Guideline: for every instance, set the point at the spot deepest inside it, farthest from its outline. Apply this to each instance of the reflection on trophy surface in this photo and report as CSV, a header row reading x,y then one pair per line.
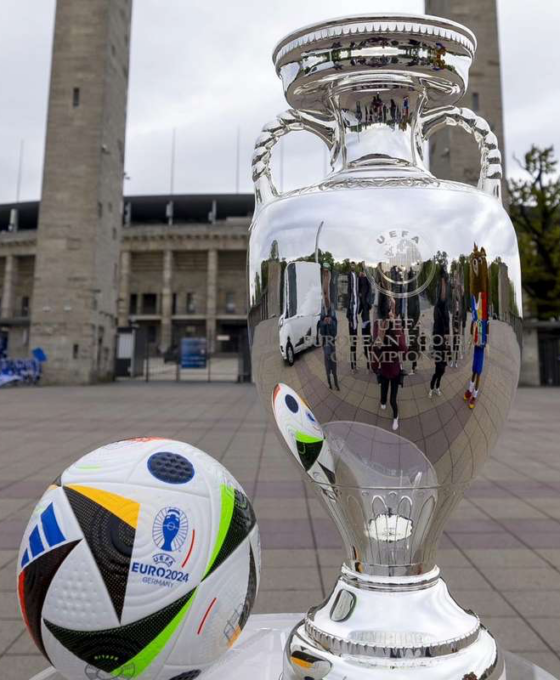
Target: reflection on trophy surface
x,y
384,319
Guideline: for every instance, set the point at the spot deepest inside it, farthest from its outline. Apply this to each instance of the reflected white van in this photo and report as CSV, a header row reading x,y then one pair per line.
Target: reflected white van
x,y
299,321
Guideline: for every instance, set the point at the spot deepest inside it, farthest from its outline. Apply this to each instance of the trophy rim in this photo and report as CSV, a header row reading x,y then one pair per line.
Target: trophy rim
x,y
443,28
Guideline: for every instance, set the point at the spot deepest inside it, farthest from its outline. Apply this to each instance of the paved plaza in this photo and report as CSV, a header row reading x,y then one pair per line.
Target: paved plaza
x,y
500,555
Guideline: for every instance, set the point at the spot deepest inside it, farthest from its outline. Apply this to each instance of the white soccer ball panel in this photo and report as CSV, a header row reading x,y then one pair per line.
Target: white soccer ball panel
x,y
157,576
255,540
110,463
77,597
65,663
211,623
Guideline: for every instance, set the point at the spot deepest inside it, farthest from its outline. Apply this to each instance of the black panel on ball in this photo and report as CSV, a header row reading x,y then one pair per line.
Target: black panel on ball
x,y
112,648
111,542
251,592
35,582
242,522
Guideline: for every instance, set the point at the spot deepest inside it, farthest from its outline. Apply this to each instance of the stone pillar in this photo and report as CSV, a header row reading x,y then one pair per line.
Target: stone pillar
x,y
8,289
453,155
124,289
166,300
530,364
79,233
211,298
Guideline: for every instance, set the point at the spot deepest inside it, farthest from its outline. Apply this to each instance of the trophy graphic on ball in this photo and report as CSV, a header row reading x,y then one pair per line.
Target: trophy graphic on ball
x,y
384,319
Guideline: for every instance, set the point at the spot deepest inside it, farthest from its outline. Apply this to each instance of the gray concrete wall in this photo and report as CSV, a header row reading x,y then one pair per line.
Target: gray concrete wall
x,y
190,276
530,367
23,288
2,270
232,279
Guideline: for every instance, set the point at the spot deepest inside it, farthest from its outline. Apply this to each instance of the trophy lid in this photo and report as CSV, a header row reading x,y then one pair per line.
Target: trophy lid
x,y
422,51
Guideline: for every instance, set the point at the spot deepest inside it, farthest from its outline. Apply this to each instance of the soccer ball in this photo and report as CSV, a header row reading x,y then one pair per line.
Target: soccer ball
x,y
141,560
303,434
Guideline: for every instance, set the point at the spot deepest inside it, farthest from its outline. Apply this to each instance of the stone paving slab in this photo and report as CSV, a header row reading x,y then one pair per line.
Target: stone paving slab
x,y
500,554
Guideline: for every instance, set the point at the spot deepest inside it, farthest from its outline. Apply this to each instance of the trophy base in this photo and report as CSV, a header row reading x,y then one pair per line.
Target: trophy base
x,y
259,652
304,661
408,626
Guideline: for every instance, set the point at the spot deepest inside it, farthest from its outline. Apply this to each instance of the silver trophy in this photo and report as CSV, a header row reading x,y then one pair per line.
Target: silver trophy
x,y
385,309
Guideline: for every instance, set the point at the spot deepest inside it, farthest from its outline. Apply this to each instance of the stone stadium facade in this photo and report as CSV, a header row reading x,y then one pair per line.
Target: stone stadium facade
x,y
177,278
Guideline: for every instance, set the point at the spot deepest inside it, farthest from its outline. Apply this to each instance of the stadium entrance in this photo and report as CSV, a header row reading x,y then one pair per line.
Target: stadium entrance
x,y
193,357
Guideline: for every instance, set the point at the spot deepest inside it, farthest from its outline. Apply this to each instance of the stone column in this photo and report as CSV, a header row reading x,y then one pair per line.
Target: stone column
x,y
211,298
124,289
166,300
530,364
8,289
86,123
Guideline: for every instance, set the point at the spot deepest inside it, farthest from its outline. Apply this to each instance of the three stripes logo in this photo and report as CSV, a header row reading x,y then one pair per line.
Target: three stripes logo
x,y
47,532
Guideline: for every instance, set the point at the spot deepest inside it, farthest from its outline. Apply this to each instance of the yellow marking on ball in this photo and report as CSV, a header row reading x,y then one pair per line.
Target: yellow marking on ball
x,y
125,509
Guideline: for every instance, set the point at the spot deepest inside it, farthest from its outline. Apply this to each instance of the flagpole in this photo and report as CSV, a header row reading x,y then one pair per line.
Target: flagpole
x,y
281,166
170,210
237,159
20,170
172,172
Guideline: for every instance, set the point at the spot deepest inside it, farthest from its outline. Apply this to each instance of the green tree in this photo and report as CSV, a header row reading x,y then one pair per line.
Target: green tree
x,y
434,269
535,212
258,290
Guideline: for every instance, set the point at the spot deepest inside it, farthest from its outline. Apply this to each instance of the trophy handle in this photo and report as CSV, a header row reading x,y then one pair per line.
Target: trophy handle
x,y
289,121
490,179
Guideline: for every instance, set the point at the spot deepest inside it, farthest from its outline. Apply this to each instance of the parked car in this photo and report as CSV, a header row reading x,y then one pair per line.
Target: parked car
x,y
299,322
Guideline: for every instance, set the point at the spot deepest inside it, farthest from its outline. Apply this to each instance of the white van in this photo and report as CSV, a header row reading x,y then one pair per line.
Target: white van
x,y
299,322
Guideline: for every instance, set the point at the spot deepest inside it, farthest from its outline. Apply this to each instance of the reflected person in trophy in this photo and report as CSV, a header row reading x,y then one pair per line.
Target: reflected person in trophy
x,y
328,326
384,301
389,347
441,349
457,305
397,279
352,314
440,334
365,304
412,303
480,324
328,329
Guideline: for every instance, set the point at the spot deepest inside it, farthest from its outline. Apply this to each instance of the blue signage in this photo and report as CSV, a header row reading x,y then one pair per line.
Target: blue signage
x,y
193,353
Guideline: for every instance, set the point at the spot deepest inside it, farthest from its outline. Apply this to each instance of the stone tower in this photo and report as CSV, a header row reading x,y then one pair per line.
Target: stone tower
x,y
76,274
452,154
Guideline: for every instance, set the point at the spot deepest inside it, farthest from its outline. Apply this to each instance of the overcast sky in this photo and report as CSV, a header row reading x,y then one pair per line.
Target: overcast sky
x,y
204,67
